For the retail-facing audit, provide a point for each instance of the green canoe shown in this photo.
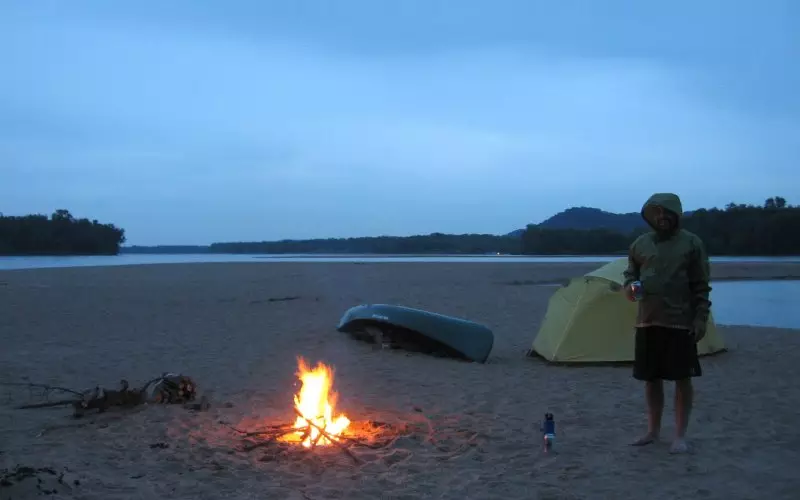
(425, 330)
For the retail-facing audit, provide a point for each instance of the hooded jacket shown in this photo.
(674, 271)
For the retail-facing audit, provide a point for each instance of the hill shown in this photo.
(586, 218)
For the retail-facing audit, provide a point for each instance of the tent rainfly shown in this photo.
(591, 321)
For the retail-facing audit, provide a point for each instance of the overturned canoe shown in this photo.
(453, 336)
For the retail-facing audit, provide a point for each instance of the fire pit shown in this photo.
(316, 423)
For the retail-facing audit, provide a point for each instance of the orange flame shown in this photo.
(315, 402)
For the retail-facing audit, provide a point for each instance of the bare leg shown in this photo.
(684, 395)
(654, 393)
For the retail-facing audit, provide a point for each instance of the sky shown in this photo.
(191, 122)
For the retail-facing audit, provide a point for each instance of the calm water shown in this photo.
(757, 303)
(754, 303)
(760, 303)
(134, 259)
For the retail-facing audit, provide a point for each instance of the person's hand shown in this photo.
(629, 292)
(699, 330)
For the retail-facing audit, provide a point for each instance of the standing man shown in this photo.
(672, 266)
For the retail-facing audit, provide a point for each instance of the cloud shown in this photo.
(108, 117)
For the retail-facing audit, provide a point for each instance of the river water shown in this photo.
(758, 303)
(134, 259)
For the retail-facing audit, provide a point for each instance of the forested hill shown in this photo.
(585, 218)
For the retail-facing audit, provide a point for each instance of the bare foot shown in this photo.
(679, 446)
(648, 438)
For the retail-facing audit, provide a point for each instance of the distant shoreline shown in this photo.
(422, 255)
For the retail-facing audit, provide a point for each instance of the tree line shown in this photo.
(738, 229)
(435, 243)
(772, 229)
(59, 234)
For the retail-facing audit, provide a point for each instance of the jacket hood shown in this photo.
(667, 201)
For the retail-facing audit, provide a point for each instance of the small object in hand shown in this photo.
(637, 291)
(548, 430)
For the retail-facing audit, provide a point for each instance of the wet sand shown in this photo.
(473, 428)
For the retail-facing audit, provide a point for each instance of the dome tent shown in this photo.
(591, 321)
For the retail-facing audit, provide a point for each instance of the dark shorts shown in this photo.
(666, 354)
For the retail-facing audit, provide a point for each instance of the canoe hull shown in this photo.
(463, 338)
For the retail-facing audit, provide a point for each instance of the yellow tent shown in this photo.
(590, 321)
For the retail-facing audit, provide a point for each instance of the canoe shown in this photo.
(429, 331)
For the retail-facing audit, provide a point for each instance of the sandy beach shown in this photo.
(472, 429)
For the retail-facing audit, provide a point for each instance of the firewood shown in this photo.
(330, 438)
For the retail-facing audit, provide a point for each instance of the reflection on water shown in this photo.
(757, 303)
(134, 259)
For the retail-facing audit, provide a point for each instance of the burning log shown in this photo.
(279, 430)
(330, 438)
(270, 437)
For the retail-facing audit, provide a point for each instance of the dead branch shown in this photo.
(47, 404)
(283, 299)
(45, 387)
(268, 441)
(372, 446)
(171, 388)
(270, 429)
(278, 432)
(234, 429)
(284, 429)
(315, 441)
(330, 438)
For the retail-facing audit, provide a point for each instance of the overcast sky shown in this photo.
(188, 122)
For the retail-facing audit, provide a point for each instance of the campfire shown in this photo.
(316, 423)
(314, 405)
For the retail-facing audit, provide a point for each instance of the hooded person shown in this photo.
(673, 268)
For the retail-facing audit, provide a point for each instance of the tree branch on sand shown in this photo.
(168, 388)
(47, 389)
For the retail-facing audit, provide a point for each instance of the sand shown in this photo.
(84, 326)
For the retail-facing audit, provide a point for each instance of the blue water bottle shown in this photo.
(637, 291)
(548, 429)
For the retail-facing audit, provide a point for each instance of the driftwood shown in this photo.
(47, 404)
(102, 399)
(283, 299)
(272, 438)
(46, 389)
(168, 388)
